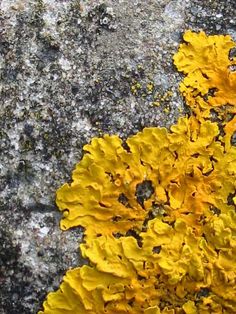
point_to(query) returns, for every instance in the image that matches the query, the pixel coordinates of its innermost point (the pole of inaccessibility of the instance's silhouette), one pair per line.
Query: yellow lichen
(183, 167)
(135, 87)
(189, 246)
(160, 98)
(150, 87)
(167, 270)
(159, 209)
(208, 67)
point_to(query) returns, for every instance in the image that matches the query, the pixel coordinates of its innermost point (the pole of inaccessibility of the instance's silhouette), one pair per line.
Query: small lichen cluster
(149, 89)
(158, 210)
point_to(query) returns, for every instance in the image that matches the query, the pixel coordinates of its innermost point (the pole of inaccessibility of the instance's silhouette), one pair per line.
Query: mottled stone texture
(72, 70)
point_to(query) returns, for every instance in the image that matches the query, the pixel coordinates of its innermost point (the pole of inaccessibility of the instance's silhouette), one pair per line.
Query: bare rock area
(69, 71)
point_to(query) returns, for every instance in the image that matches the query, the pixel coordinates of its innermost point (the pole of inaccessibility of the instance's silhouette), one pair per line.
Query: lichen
(167, 272)
(186, 166)
(159, 209)
(151, 92)
(210, 81)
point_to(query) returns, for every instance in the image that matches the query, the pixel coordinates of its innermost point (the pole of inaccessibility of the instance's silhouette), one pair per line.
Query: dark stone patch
(116, 218)
(49, 52)
(233, 139)
(10, 73)
(126, 147)
(204, 292)
(28, 129)
(20, 277)
(42, 208)
(144, 191)
(74, 89)
(230, 200)
(4, 47)
(216, 211)
(123, 200)
(156, 249)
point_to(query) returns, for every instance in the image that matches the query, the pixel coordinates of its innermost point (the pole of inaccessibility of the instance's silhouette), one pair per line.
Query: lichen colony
(159, 209)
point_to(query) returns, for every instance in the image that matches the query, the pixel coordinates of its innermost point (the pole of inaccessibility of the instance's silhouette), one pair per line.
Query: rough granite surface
(69, 71)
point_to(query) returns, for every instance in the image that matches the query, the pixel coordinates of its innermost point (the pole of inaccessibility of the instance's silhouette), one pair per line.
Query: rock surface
(72, 70)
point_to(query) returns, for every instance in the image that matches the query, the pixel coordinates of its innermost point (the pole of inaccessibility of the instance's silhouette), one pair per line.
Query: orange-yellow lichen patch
(182, 172)
(171, 270)
(210, 80)
(185, 179)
